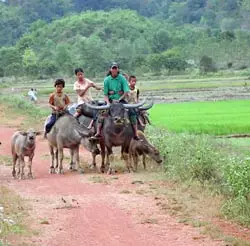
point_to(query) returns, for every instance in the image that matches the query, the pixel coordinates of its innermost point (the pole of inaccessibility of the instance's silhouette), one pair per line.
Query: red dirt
(71, 209)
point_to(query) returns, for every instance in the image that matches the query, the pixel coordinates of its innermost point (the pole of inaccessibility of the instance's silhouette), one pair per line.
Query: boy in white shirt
(81, 86)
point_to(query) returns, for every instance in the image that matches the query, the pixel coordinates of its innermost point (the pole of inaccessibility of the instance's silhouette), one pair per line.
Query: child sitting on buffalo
(58, 102)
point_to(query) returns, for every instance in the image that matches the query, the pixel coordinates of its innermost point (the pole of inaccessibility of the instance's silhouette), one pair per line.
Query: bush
(237, 176)
(207, 65)
(189, 157)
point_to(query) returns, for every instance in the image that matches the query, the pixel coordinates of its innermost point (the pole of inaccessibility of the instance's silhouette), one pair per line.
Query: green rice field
(214, 118)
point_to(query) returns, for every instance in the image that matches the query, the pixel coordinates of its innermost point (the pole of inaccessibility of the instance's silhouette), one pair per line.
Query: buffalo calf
(143, 147)
(23, 144)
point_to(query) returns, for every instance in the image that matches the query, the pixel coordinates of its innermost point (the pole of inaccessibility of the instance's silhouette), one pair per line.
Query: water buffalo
(23, 144)
(117, 130)
(138, 148)
(67, 133)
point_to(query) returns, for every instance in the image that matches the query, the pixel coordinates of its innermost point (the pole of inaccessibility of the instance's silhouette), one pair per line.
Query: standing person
(32, 95)
(82, 86)
(116, 89)
(58, 102)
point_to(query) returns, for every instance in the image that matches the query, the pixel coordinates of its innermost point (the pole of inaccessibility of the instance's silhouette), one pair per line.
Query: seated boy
(58, 102)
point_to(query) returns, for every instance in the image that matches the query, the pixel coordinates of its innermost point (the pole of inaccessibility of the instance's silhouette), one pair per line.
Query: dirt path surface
(72, 210)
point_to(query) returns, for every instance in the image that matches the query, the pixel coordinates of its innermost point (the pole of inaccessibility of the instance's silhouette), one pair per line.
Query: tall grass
(213, 163)
(215, 118)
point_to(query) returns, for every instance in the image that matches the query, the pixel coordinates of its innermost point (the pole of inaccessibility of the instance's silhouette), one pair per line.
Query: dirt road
(93, 209)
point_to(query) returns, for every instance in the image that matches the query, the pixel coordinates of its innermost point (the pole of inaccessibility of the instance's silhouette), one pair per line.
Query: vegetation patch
(12, 215)
(214, 165)
(214, 118)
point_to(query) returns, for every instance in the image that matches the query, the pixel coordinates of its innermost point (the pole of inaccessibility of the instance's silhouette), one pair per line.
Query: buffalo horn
(98, 107)
(136, 105)
(146, 107)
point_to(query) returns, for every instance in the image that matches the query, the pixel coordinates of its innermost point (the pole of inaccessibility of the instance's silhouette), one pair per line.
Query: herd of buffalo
(69, 132)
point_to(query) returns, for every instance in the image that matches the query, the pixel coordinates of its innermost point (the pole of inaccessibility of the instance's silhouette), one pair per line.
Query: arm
(124, 95)
(51, 102)
(125, 88)
(137, 96)
(67, 102)
(106, 91)
(93, 84)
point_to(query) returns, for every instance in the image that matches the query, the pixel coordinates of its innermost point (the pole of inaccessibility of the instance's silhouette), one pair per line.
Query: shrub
(207, 65)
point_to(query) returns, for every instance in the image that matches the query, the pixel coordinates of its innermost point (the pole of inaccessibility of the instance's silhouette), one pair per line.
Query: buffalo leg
(52, 157)
(22, 164)
(14, 158)
(30, 176)
(144, 161)
(71, 164)
(60, 159)
(77, 159)
(135, 159)
(102, 146)
(110, 159)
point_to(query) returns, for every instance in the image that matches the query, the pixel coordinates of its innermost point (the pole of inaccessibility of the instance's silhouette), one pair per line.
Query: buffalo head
(117, 110)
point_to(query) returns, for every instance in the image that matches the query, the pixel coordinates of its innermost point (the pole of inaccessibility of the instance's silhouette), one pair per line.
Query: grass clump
(12, 214)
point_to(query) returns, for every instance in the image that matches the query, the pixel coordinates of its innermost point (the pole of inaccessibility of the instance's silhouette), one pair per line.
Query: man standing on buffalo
(116, 89)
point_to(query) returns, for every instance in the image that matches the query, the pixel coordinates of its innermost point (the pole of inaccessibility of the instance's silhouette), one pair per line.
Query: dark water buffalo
(143, 148)
(67, 133)
(117, 130)
(23, 143)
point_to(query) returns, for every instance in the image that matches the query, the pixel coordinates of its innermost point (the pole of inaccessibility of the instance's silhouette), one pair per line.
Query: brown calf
(143, 147)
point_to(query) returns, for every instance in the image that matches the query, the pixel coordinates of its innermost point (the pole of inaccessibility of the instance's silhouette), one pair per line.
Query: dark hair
(59, 82)
(131, 77)
(77, 70)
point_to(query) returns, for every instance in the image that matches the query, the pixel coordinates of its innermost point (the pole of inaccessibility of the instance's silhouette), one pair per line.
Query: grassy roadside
(13, 216)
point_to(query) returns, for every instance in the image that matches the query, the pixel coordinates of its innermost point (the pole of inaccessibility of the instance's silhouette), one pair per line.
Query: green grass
(215, 118)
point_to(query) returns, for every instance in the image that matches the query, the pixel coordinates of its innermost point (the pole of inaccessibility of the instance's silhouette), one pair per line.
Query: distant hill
(16, 16)
(92, 39)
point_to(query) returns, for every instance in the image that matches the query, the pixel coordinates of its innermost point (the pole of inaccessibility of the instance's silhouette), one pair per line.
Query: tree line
(51, 37)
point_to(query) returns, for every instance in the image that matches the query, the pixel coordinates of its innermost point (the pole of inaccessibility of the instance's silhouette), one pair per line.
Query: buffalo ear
(23, 133)
(39, 133)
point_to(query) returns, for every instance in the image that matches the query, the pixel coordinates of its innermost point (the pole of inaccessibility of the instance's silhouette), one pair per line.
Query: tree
(30, 62)
(207, 65)
(161, 41)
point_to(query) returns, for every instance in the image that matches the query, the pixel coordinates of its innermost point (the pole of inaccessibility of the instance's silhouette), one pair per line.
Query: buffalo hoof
(30, 176)
(60, 171)
(14, 174)
(109, 171)
(80, 170)
(92, 166)
(52, 171)
(102, 169)
(22, 177)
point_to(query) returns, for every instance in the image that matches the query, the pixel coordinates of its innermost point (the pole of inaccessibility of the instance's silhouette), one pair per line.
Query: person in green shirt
(116, 90)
